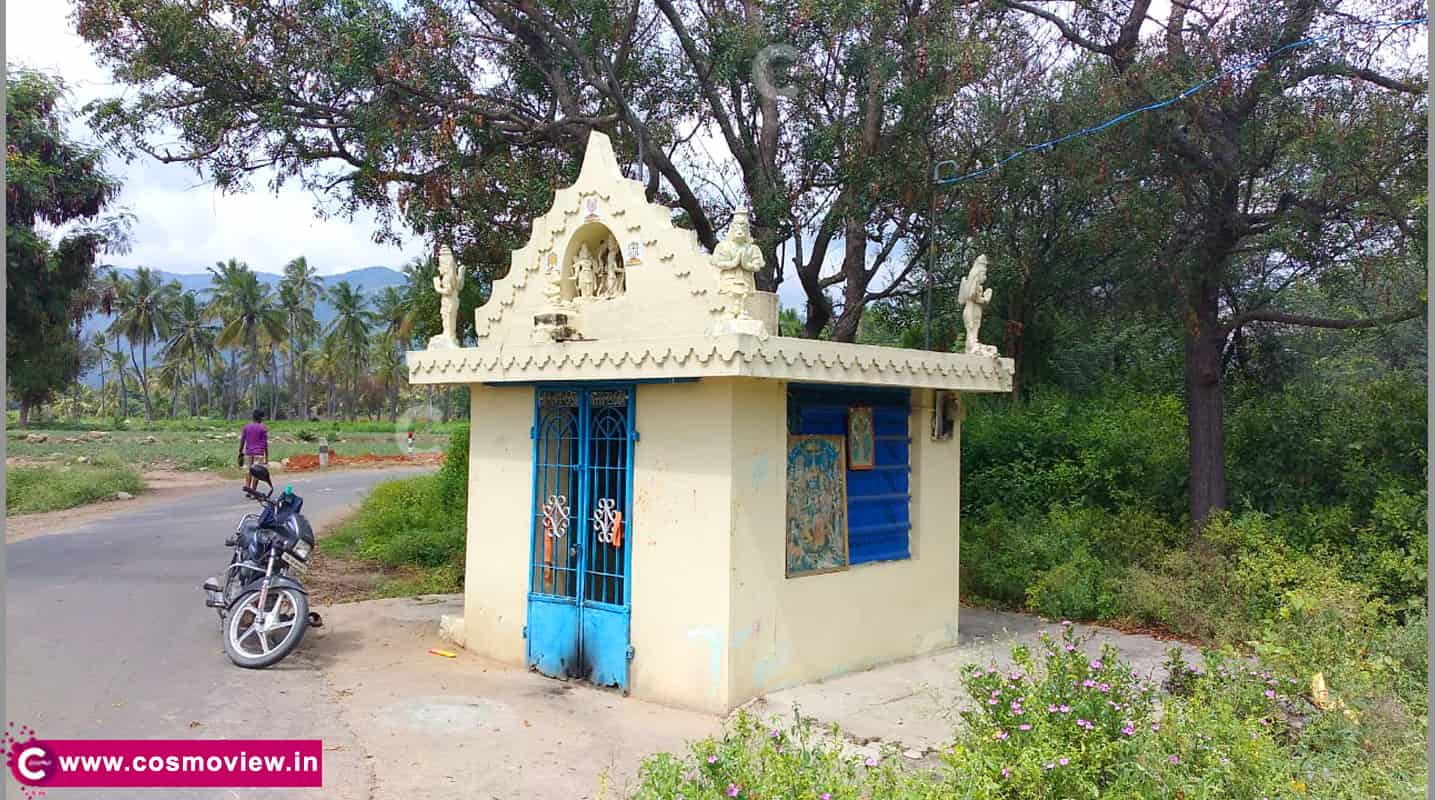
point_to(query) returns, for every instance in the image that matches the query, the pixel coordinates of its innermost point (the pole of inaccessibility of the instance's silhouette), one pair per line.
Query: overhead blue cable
(1159, 104)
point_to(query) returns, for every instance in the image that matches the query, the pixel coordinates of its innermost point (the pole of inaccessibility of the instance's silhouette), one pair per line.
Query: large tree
(146, 307)
(54, 181)
(1308, 170)
(457, 116)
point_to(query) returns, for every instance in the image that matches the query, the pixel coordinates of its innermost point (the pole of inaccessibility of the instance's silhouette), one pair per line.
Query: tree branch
(1281, 318)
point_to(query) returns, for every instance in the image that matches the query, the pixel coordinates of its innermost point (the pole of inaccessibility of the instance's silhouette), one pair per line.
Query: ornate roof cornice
(727, 355)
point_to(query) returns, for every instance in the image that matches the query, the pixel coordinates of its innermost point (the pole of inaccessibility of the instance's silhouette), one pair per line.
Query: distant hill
(368, 279)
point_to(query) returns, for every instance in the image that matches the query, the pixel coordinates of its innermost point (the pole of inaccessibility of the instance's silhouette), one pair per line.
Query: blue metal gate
(579, 596)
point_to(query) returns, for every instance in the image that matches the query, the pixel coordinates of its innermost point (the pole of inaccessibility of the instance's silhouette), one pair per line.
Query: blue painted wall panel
(878, 500)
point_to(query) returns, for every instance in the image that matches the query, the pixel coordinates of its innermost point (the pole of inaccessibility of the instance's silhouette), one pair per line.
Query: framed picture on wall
(816, 505)
(861, 454)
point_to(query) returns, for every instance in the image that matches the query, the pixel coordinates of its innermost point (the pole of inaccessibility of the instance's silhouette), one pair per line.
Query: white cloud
(181, 225)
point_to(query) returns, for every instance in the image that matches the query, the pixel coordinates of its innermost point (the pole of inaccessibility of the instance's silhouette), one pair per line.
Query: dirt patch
(340, 580)
(162, 485)
(310, 461)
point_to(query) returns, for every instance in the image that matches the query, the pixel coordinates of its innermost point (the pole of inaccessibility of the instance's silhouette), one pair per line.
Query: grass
(30, 490)
(212, 448)
(410, 531)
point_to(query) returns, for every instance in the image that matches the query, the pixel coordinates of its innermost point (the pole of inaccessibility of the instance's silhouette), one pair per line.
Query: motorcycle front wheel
(256, 638)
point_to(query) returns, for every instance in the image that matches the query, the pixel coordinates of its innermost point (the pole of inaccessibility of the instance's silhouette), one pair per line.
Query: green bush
(753, 760)
(1082, 587)
(31, 490)
(1004, 559)
(413, 522)
(452, 477)
(1077, 724)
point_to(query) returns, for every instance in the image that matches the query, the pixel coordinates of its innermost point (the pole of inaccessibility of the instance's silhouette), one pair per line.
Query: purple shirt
(254, 439)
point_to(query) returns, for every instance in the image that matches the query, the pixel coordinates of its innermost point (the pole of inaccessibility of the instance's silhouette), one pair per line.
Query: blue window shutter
(879, 500)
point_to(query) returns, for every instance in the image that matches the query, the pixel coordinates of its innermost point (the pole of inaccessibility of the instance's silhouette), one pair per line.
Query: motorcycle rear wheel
(255, 638)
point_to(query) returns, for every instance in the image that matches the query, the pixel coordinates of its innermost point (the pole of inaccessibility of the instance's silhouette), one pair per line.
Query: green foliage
(55, 182)
(418, 522)
(1111, 451)
(1005, 558)
(1066, 723)
(451, 482)
(401, 522)
(30, 490)
(753, 760)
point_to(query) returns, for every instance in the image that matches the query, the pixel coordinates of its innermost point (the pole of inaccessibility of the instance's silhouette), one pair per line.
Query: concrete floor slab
(434, 727)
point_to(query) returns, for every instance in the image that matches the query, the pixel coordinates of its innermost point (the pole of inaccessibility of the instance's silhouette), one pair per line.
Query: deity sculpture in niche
(738, 259)
(448, 283)
(586, 270)
(973, 296)
(613, 278)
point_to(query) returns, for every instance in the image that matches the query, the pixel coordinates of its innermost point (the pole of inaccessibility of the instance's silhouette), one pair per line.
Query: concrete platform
(435, 727)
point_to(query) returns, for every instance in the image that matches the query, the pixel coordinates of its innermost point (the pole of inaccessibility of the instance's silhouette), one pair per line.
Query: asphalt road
(107, 636)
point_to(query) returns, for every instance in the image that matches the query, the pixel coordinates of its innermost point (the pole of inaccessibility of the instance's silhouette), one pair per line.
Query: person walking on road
(253, 446)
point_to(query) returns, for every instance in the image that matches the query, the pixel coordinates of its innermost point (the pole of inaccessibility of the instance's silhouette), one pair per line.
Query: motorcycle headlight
(301, 549)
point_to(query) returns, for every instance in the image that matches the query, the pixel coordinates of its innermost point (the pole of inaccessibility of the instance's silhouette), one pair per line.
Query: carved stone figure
(974, 297)
(738, 259)
(617, 281)
(448, 283)
(587, 271)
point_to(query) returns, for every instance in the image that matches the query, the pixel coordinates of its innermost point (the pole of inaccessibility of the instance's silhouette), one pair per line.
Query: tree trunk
(144, 378)
(1205, 410)
(25, 406)
(194, 387)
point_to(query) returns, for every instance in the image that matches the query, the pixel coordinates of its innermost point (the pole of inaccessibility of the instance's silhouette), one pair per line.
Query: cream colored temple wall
(680, 560)
(791, 631)
(500, 491)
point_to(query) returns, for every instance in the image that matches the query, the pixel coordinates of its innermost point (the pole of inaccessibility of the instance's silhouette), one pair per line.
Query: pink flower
(1173, 759)
(1270, 693)
(1063, 761)
(1064, 708)
(1051, 709)
(992, 701)
(732, 790)
(1081, 723)
(1000, 735)
(871, 761)
(1088, 683)
(1105, 687)
(1128, 730)
(826, 796)
(1015, 676)
(1096, 663)
(1006, 772)
(1066, 623)
(1070, 647)
(712, 759)
(1025, 726)
(1155, 726)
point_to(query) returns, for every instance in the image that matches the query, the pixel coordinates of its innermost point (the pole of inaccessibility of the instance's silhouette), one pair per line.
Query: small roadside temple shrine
(669, 498)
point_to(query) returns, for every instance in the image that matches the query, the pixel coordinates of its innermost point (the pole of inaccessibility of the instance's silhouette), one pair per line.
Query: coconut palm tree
(389, 367)
(299, 292)
(350, 333)
(99, 343)
(144, 317)
(251, 317)
(225, 278)
(191, 342)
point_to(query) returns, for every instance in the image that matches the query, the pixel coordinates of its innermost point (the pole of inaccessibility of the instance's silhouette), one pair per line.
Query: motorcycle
(262, 603)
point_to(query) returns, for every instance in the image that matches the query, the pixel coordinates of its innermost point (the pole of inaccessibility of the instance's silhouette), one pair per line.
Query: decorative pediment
(604, 264)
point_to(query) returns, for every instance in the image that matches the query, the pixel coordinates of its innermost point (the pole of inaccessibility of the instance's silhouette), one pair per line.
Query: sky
(182, 225)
